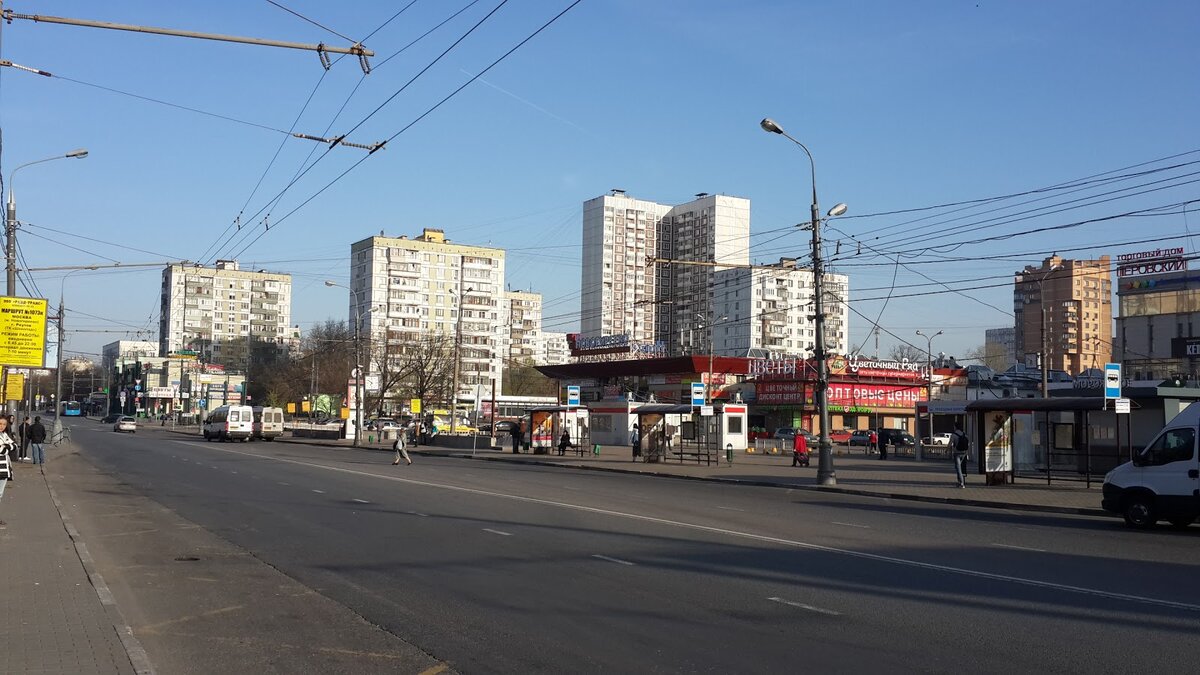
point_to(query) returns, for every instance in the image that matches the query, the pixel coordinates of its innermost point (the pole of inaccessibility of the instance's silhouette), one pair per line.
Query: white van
(268, 423)
(1163, 481)
(229, 422)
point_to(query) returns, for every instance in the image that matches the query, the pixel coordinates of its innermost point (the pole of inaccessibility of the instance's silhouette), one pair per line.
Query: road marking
(794, 543)
(499, 532)
(1021, 548)
(320, 492)
(865, 527)
(360, 501)
(232, 472)
(801, 605)
(568, 487)
(730, 508)
(616, 560)
(283, 483)
(414, 513)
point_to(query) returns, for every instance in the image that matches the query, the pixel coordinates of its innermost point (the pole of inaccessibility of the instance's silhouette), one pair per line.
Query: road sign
(1122, 406)
(573, 394)
(697, 393)
(706, 411)
(1112, 380)
(22, 331)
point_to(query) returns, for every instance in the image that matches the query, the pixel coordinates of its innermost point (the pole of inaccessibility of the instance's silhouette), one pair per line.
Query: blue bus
(71, 409)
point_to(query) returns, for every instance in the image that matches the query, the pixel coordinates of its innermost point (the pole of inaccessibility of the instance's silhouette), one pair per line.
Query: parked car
(842, 436)
(860, 437)
(1160, 482)
(125, 423)
(897, 437)
(938, 439)
(785, 433)
(108, 419)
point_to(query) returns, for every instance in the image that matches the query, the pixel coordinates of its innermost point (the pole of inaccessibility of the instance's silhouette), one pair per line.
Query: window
(733, 425)
(1176, 445)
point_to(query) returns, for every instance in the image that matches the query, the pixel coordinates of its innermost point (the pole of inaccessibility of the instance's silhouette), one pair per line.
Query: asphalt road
(491, 567)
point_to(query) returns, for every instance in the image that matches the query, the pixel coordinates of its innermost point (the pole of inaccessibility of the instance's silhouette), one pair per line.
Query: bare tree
(522, 379)
(906, 352)
(417, 368)
(992, 356)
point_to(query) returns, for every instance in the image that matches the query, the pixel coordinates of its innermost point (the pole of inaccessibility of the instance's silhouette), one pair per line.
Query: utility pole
(58, 361)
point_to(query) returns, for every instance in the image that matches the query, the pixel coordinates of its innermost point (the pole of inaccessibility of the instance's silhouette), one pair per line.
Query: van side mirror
(1141, 459)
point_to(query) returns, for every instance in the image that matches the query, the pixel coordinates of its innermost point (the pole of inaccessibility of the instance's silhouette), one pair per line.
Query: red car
(842, 436)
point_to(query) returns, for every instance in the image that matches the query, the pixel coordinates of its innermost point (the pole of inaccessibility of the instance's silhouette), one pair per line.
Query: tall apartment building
(1077, 298)
(617, 294)
(223, 311)
(131, 350)
(1000, 347)
(524, 326)
(771, 309)
(621, 294)
(554, 348)
(406, 290)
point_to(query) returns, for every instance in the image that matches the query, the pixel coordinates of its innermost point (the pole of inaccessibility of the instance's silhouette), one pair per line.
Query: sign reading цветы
(22, 331)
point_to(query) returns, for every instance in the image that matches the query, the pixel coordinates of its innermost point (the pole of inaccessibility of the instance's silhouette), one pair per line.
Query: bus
(71, 409)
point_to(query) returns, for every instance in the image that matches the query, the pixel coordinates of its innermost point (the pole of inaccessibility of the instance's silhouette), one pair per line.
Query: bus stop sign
(1112, 380)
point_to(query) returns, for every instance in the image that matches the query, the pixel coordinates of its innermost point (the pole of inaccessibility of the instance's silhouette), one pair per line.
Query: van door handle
(1194, 473)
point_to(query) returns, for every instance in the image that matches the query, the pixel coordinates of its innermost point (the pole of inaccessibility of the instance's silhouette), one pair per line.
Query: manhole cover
(187, 558)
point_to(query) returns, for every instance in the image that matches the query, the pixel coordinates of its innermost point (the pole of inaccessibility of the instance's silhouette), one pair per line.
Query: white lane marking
(801, 605)
(283, 483)
(865, 527)
(232, 472)
(360, 501)
(730, 508)
(568, 487)
(616, 560)
(414, 513)
(1021, 548)
(320, 492)
(499, 532)
(978, 574)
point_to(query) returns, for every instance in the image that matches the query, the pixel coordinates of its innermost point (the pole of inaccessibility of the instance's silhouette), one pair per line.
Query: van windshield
(235, 416)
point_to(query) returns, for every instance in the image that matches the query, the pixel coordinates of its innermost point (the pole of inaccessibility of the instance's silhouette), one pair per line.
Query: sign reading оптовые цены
(22, 332)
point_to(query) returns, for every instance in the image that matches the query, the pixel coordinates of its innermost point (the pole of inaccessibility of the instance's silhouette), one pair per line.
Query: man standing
(516, 438)
(37, 436)
(962, 447)
(23, 432)
(881, 441)
(635, 440)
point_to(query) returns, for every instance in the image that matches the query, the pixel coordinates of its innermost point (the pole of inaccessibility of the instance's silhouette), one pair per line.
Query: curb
(133, 648)
(952, 501)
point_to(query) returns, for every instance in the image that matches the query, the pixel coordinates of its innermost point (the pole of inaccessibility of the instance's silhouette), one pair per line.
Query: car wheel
(1139, 512)
(1180, 523)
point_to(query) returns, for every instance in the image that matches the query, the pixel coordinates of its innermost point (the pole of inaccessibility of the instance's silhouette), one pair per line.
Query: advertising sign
(849, 397)
(414, 406)
(22, 331)
(14, 387)
(162, 392)
(1185, 347)
(861, 366)
(1158, 261)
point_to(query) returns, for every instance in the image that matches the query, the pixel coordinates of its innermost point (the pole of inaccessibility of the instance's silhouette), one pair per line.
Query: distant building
(223, 312)
(126, 350)
(554, 348)
(1077, 298)
(767, 310)
(1000, 347)
(524, 327)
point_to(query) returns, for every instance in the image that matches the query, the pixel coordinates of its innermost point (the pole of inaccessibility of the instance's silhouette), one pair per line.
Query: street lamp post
(359, 376)
(825, 472)
(928, 383)
(56, 428)
(708, 385)
(11, 217)
(1044, 357)
(457, 354)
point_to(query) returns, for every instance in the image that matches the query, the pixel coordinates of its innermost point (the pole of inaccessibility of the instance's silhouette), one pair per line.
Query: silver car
(126, 424)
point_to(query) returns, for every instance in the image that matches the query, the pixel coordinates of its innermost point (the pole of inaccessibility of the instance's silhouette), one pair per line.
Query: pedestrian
(880, 441)
(11, 429)
(8, 447)
(23, 432)
(516, 438)
(564, 443)
(37, 436)
(799, 450)
(962, 448)
(401, 448)
(635, 439)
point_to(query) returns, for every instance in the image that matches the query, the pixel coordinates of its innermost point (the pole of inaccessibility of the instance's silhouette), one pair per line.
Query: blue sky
(904, 105)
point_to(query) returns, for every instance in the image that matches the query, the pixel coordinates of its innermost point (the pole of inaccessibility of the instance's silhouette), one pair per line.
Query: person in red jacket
(799, 450)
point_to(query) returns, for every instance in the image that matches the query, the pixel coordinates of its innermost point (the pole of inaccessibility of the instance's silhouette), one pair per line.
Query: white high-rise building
(554, 348)
(617, 294)
(407, 290)
(121, 350)
(524, 326)
(622, 294)
(222, 311)
(770, 309)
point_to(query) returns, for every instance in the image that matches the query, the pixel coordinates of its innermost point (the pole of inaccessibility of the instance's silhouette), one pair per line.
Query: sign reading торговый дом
(22, 332)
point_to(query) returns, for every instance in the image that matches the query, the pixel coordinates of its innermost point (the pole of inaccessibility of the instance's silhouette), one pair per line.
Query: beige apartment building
(1077, 298)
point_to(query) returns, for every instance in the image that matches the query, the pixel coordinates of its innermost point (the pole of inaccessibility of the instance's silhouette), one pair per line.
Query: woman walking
(8, 448)
(400, 446)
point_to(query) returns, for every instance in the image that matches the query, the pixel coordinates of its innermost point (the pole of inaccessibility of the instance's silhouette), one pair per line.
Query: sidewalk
(896, 478)
(54, 620)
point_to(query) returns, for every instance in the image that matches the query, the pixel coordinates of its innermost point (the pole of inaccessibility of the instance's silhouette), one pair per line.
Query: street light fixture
(11, 216)
(928, 382)
(825, 472)
(359, 376)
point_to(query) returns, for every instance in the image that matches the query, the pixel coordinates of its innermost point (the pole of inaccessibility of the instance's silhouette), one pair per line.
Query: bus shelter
(678, 431)
(1067, 438)
(546, 425)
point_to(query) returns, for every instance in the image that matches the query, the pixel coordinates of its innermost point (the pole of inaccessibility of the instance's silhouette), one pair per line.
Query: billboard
(22, 331)
(1158, 261)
